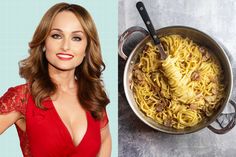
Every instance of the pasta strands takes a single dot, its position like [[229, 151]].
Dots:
[[181, 90]]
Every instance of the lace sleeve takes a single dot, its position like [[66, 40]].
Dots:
[[104, 121], [15, 99]]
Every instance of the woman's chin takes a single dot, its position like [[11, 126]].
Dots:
[[62, 68]]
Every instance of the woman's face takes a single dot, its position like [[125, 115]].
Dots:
[[66, 43]]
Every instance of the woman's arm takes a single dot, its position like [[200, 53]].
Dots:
[[105, 150], [6, 120]]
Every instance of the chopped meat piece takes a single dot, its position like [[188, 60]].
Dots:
[[156, 88], [205, 56], [163, 103], [195, 76], [205, 53], [160, 108], [167, 122], [210, 98], [213, 79], [135, 67], [138, 74], [214, 91], [193, 106], [202, 49]]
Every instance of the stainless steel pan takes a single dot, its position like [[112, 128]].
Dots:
[[198, 37]]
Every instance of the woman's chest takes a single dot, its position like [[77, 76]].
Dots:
[[73, 117], [47, 130]]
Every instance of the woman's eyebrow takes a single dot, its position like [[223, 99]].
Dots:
[[79, 31], [57, 29]]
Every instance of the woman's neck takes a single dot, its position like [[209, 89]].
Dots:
[[65, 80]]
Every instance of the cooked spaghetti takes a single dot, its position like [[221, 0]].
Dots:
[[181, 90]]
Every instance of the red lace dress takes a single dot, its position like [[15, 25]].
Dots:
[[46, 135]]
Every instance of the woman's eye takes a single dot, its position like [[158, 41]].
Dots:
[[76, 38], [56, 36]]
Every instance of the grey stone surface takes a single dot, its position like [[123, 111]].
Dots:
[[214, 17]]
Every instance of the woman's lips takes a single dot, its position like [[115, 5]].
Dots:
[[64, 56]]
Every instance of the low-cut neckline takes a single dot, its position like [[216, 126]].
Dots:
[[67, 130]]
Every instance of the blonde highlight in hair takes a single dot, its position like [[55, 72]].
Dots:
[[34, 69]]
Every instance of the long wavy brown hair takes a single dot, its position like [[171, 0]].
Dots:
[[34, 69]]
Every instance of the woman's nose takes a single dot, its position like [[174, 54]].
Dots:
[[66, 44]]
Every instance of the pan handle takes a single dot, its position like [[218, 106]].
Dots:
[[231, 117], [124, 37]]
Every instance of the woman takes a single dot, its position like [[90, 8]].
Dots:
[[60, 111]]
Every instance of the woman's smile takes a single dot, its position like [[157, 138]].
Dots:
[[64, 56]]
